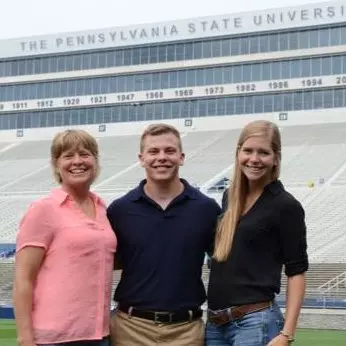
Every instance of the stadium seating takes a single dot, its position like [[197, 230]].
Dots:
[[313, 170], [7, 250]]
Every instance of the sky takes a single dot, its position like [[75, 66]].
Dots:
[[22, 18]]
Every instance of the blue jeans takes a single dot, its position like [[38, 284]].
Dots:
[[255, 329], [103, 342]]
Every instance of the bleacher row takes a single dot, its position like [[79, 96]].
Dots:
[[313, 169]]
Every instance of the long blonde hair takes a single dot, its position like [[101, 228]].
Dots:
[[239, 186]]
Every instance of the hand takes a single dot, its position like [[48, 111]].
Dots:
[[279, 340]]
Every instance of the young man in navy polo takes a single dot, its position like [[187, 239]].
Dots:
[[164, 228]]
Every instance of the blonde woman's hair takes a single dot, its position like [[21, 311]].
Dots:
[[239, 187], [71, 140]]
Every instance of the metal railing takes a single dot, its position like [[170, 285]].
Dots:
[[333, 284]]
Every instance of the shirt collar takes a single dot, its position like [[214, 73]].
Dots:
[[138, 192], [275, 187], [61, 196]]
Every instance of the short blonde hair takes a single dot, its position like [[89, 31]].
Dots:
[[72, 139], [157, 130]]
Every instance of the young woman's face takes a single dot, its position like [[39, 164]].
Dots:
[[256, 159]]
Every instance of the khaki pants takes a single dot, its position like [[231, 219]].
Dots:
[[134, 331]]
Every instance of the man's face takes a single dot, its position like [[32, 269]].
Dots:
[[161, 157]]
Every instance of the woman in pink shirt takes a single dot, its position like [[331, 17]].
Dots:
[[65, 251]]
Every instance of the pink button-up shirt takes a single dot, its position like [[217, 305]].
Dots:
[[72, 292]]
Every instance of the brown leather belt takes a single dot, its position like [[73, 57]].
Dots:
[[235, 313]]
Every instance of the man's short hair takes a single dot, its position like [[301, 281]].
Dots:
[[157, 130]]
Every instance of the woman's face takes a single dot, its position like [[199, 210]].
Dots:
[[77, 167], [257, 159]]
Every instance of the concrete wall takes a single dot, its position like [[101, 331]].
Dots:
[[323, 319], [318, 116]]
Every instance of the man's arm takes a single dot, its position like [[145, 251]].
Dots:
[[111, 215], [117, 262]]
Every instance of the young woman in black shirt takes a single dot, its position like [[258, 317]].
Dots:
[[262, 229]]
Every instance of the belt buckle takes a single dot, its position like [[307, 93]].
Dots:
[[157, 315], [220, 317]]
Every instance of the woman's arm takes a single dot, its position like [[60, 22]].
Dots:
[[294, 300], [27, 264], [293, 249]]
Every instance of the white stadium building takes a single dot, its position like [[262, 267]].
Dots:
[[208, 76]]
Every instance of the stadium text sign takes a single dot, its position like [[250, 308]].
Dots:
[[137, 98], [323, 13]]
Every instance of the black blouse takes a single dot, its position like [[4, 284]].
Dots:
[[271, 234]]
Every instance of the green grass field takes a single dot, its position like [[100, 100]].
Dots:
[[7, 333], [305, 337]]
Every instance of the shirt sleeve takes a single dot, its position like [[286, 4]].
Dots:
[[35, 227], [111, 215], [210, 249], [293, 244]]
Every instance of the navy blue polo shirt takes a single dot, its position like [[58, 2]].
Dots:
[[162, 251]]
